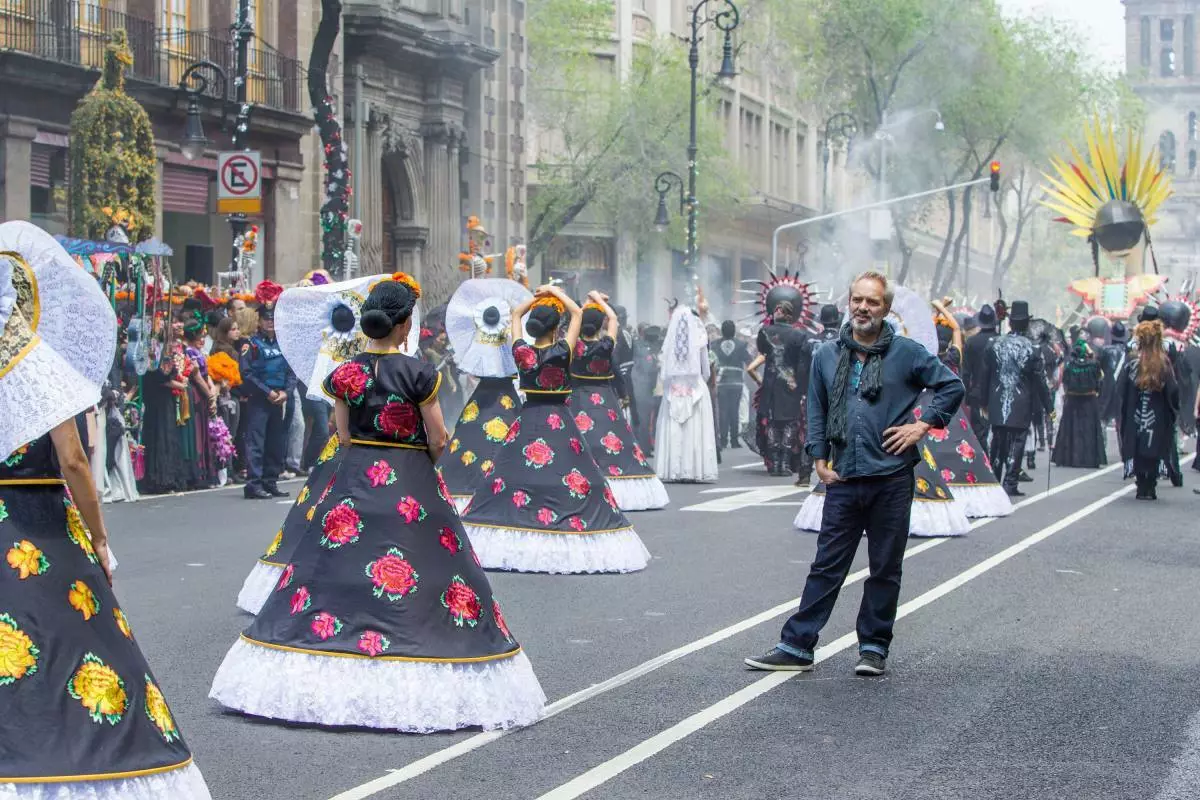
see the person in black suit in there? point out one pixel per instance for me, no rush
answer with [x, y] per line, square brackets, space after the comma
[974, 352]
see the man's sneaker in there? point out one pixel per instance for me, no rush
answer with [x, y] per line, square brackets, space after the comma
[870, 663]
[776, 660]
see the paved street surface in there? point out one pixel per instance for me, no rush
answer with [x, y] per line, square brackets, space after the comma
[1052, 654]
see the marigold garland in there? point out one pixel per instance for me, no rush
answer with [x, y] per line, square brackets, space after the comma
[552, 302]
[410, 282]
[223, 368]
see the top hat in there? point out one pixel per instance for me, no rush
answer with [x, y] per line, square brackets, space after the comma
[1118, 332]
[987, 316]
[830, 315]
[1019, 311]
[1149, 314]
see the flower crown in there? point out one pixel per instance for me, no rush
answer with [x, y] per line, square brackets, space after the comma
[596, 306]
[551, 301]
[409, 281]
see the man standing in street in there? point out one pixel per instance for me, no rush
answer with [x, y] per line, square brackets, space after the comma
[732, 358]
[1014, 377]
[268, 381]
[862, 435]
[972, 373]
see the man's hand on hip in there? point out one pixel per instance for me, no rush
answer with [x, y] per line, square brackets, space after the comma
[825, 473]
[898, 439]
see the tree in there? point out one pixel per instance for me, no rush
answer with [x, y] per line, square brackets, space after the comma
[336, 207]
[604, 136]
[113, 163]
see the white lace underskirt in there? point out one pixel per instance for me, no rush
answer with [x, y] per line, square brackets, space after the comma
[258, 586]
[407, 696]
[983, 500]
[460, 502]
[639, 494]
[560, 553]
[185, 783]
[928, 518]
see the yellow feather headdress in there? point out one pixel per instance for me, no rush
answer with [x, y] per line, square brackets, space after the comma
[1083, 186]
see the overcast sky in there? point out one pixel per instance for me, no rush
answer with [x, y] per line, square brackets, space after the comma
[1101, 21]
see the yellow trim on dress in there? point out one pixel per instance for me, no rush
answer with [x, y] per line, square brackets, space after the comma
[642, 477]
[110, 776]
[433, 395]
[271, 564]
[32, 481]
[543, 530]
[400, 445]
[285, 648]
[592, 377]
[547, 391]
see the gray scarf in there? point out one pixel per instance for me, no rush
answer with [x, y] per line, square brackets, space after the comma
[870, 383]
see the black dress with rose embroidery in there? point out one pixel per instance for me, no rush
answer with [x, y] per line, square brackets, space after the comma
[383, 574]
[547, 507]
[79, 701]
[597, 412]
[482, 428]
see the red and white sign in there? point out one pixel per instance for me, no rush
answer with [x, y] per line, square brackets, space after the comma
[239, 183]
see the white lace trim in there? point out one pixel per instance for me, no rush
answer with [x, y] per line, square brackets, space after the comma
[8, 292]
[985, 500]
[639, 494]
[409, 696]
[460, 502]
[928, 518]
[559, 553]
[258, 586]
[185, 783]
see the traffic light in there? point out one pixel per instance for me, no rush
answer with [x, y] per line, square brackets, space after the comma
[994, 185]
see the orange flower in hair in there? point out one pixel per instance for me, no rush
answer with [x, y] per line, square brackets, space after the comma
[552, 301]
[410, 282]
[596, 306]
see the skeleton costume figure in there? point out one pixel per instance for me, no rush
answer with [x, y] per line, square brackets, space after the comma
[686, 440]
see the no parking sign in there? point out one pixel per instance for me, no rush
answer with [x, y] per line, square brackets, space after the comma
[239, 183]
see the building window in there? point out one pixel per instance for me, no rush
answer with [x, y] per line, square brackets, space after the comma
[175, 18]
[1166, 152]
[1167, 62]
[1166, 30]
[1189, 45]
[1145, 41]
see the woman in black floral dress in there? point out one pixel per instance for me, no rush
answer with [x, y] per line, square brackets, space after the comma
[597, 411]
[547, 507]
[383, 617]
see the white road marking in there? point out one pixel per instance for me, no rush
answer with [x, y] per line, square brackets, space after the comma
[610, 769]
[728, 489]
[753, 497]
[751, 465]
[415, 769]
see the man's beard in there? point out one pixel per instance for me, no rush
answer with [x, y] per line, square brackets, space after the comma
[873, 325]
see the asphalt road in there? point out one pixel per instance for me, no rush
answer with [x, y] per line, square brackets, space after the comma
[1051, 654]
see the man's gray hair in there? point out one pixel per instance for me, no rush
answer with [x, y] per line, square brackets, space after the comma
[889, 292]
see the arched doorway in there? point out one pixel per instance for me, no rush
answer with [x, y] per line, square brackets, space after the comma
[388, 256]
[404, 234]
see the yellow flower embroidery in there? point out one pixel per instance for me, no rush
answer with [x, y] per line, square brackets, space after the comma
[454, 443]
[311, 511]
[330, 450]
[122, 623]
[496, 429]
[159, 713]
[471, 412]
[77, 531]
[302, 498]
[468, 458]
[27, 559]
[83, 600]
[487, 466]
[18, 653]
[100, 689]
[506, 402]
[273, 547]
[940, 492]
[922, 485]
[928, 456]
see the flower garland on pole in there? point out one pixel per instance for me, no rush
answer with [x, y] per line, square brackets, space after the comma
[335, 210]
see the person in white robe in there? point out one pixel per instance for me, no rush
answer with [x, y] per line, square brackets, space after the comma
[686, 441]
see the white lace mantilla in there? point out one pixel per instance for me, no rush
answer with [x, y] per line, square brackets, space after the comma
[408, 696]
[559, 553]
[185, 783]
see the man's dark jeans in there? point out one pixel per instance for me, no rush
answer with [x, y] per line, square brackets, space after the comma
[729, 402]
[880, 506]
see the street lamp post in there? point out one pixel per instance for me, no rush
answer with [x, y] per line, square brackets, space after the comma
[847, 129]
[662, 185]
[195, 82]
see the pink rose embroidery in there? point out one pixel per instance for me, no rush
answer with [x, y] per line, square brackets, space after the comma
[546, 516]
[449, 540]
[615, 471]
[599, 366]
[498, 486]
[326, 625]
[373, 643]
[577, 524]
[962, 422]
[525, 356]
[351, 381]
[500, 623]
[285, 580]
[971, 479]
[551, 378]
[965, 450]
[583, 422]
[612, 443]
[577, 484]
[513, 430]
[538, 454]
[917, 412]
[341, 525]
[462, 602]
[596, 398]
[392, 575]
[580, 349]
[411, 510]
[947, 475]
[576, 445]
[381, 474]
[555, 422]
[444, 490]
[300, 600]
[610, 498]
[639, 454]
[520, 498]
[938, 434]
[612, 415]
[397, 419]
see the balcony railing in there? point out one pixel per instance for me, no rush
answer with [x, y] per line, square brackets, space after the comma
[76, 32]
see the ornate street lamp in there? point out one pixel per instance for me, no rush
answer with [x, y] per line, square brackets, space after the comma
[847, 129]
[663, 184]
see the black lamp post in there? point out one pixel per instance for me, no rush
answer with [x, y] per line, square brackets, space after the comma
[195, 82]
[847, 128]
[662, 185]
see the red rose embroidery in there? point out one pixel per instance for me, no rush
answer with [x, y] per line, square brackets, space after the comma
[513, 430]
[520, 499]
[525, 356]
[962, 421]
[449, 540]
[444, 490]
[301, 600]
[462, 602]
[555, 422]
[971, 479]
[500, 623]
[397, 419]
[965, 450]
[579, 349]
[350, 381]
[392, 575]
[917, 412]
[583, 422]
[410, 509]
[599, 366]
[577, 524]
[596, 398]
[341, 525]
[546, 516]
[576, 445]
[612, 415]
[610, 498]
[612, 443]
[327, 490]
[373, 643]
[551, 377]
[939, 434]
[326, 625]
[615, 471]
[498, 486]
[381, 474]
[577, 484]
[285, 580]
[947, 475]
[987, 462]
[538, 454]
[638, 454]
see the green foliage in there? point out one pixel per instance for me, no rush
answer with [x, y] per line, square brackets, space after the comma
[605, 136]
[113, 163]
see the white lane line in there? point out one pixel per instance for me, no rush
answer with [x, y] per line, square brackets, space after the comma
[753, 497]
[610, 769]
[750, 465]
[414, 769]
[728, 489]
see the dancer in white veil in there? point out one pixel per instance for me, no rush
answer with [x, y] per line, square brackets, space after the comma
[686, 442]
